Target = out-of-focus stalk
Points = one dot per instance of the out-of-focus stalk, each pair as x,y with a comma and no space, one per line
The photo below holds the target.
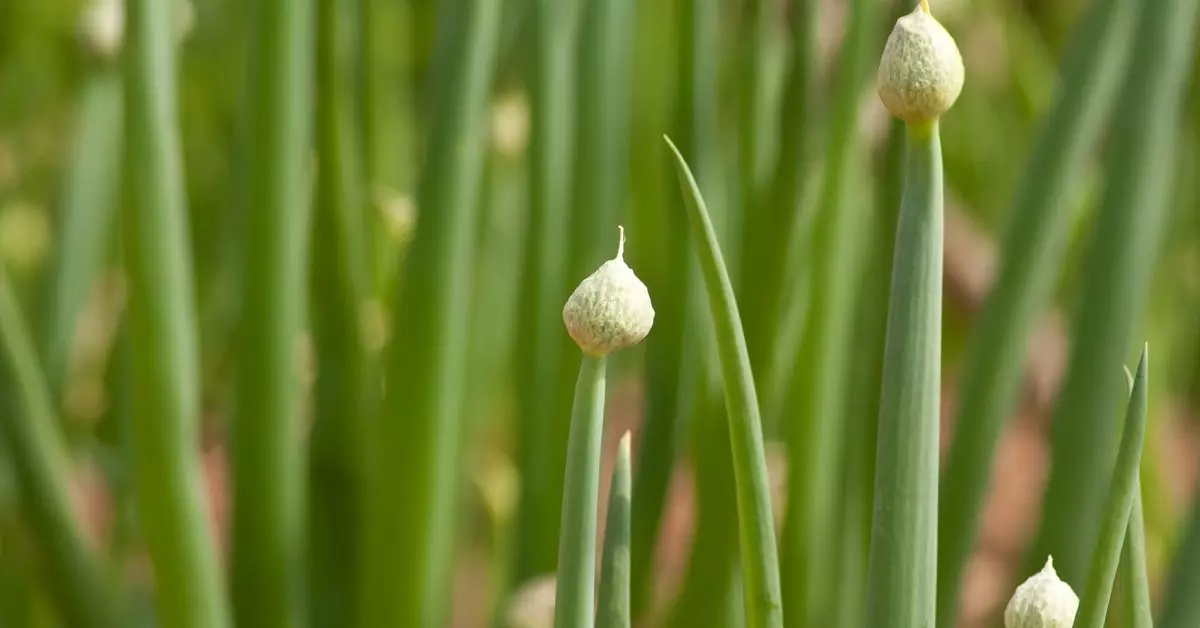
87,217
41,469
162,319
1033,248
267,453
339,285
816,417
543,435
1118,270
415,480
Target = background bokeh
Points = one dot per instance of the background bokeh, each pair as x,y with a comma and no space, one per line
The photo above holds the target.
61,197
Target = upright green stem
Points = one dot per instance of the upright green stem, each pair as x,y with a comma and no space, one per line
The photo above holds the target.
29,430
162,317
1119,267
765,266
539,336
903,561
675,361
574,605
613,611
1034,245
87,217
339,285
415,485
760,562
267,513
1093,606
1135,581
814,428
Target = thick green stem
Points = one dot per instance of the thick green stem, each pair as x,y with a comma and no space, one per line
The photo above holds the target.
162,317
267,513
539,337
339,285
575,593
415,480
903,563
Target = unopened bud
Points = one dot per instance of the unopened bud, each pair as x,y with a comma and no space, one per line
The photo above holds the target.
1042,601
610,309
921,73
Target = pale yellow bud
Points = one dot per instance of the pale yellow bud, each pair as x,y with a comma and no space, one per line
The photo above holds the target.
1042,601
610,309
921,73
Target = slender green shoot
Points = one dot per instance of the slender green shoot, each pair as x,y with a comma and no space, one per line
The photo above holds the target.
87,217
613,610
338,270
1135,581
40,463
760,562
903,562
574,601
1034,245
1119,266
162,318
267,513
1093,606
415,480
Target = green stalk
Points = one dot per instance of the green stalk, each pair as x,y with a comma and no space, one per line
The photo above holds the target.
29,429
707,592
760,563
613,611
539,335
574,601
1093,605
765,266
339,285
814,431
1033,249
86,218
1134,579
753,33
267,507
1119,268
415,482
162,316
673,371
1181,605
903,562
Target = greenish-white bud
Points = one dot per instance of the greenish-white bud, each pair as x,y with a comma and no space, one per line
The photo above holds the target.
532,606
1042,601
610,309
921,73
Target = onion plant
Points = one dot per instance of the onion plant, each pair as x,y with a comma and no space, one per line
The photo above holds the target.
920,77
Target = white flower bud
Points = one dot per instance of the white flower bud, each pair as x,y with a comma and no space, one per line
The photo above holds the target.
1042,601
921,73
610,309
533,604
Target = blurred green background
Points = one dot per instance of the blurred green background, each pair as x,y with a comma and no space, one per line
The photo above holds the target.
618,74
